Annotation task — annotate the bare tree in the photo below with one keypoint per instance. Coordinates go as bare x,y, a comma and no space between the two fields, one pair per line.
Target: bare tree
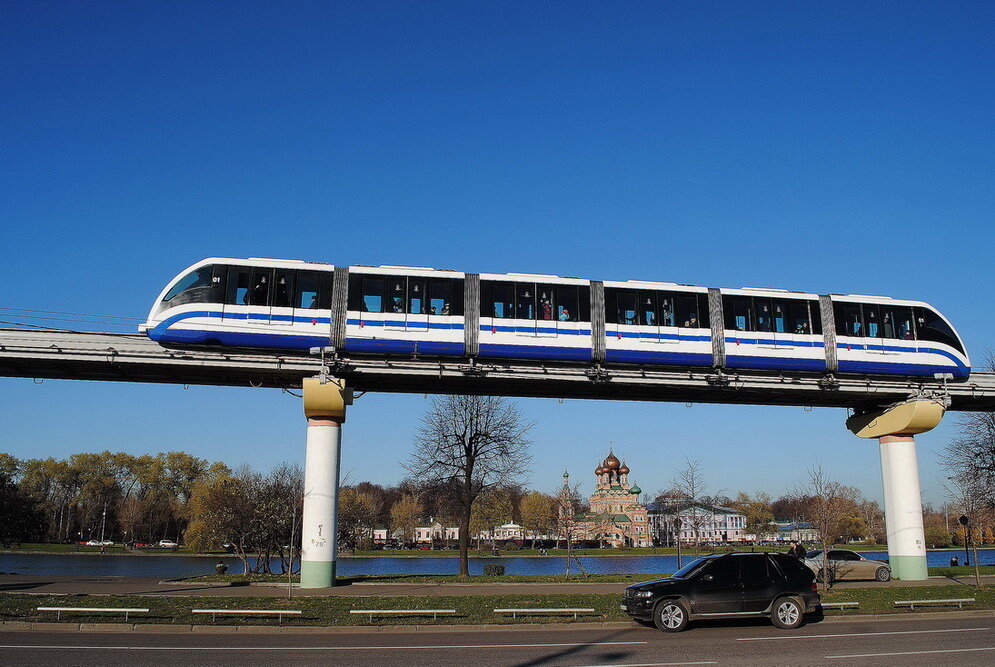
830,508
689,487
471,444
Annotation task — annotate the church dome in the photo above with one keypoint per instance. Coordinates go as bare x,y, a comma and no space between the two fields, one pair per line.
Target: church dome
612,462
635,490
599,470
624,469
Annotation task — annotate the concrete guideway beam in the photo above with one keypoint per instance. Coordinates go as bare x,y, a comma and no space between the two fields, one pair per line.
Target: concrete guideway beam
325,401
895,429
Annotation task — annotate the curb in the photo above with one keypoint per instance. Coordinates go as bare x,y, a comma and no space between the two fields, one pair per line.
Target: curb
366,629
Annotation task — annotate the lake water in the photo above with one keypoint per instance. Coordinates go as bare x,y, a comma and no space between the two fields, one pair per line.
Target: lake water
189,566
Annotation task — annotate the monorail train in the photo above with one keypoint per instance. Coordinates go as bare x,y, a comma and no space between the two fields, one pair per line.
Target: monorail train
394,310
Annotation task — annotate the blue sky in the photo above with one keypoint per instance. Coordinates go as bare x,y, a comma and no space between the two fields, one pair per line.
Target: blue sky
831,147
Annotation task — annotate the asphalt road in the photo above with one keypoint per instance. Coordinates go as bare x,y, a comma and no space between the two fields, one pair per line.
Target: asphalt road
958,639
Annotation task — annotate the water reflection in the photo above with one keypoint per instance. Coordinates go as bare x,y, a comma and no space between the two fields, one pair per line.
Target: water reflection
189,566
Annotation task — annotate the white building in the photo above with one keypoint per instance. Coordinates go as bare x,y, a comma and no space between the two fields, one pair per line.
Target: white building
693,522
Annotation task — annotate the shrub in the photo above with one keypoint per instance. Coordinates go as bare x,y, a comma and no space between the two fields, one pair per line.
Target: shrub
494,570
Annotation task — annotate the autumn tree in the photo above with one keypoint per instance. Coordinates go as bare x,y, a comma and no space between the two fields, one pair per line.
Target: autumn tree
759,517
470,444
492,508
404,516
538,514
831,509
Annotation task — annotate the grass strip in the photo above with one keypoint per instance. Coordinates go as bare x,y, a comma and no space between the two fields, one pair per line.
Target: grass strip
334,611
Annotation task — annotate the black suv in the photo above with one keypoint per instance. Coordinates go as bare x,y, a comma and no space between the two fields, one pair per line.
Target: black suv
727,586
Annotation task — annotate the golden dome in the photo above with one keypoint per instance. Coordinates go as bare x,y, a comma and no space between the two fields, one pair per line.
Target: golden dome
612,463
624,469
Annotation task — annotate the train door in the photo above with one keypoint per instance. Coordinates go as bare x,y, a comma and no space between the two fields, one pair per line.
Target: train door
686,317
306,303
525,309
237,296
282,304
419,308
649,323
667,318
546,312
781,323
395,304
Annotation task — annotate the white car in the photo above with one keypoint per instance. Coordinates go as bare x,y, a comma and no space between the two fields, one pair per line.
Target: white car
167,544
107,543
93,543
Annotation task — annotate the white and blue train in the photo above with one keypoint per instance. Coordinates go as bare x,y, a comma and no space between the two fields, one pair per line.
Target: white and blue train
393,310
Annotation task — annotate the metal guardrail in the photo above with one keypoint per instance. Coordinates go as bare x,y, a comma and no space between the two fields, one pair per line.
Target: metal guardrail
960,602
135,358
841,605
540,612
103,610
279,613
402,612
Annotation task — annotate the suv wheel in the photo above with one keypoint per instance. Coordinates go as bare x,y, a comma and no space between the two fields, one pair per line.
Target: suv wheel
882,574
787,614
670,616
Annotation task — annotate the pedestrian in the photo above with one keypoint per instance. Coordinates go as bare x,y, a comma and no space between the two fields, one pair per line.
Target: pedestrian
800,550
221,567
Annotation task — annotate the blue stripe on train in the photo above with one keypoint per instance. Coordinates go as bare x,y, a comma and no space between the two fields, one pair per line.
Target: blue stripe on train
401,324
775,363
536,352
528,330
640,357
392,346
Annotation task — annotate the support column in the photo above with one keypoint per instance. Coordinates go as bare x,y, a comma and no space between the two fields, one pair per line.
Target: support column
894,428
324,406
903,508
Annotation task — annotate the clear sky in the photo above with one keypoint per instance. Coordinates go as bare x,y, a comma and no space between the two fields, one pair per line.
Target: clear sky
828,147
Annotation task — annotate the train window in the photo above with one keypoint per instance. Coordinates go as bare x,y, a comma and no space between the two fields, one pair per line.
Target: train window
647,308
930,326
545,311
762,313
668,318
283,288
738,313
896,322
497,299
584,303
198,278
689,312
417,296
567,303
307,290
848,319
238,286
440,298
796,316
872,320
525,296
262,279
372,294
625,305
396,294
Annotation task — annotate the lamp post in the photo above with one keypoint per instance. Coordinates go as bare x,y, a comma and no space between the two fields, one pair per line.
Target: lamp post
963,520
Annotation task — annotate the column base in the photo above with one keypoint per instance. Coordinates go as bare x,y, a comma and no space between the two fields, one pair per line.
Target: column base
317,574
908,568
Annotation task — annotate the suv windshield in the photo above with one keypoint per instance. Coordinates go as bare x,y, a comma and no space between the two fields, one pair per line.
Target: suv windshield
814,554
690,568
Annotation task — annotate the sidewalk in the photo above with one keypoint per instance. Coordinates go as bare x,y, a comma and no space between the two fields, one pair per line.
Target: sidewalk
84,585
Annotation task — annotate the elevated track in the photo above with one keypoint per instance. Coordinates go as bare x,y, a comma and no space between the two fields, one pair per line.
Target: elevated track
134,358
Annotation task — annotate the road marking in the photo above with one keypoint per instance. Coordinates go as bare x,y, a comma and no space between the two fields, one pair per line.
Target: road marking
880,655
859,634
319,648
655,664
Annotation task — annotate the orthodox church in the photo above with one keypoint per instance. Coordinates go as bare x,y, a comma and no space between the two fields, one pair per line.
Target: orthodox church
616,518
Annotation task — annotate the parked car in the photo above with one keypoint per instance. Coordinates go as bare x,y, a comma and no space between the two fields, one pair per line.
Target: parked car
107,543
93,543
846,564
732,585
167,544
